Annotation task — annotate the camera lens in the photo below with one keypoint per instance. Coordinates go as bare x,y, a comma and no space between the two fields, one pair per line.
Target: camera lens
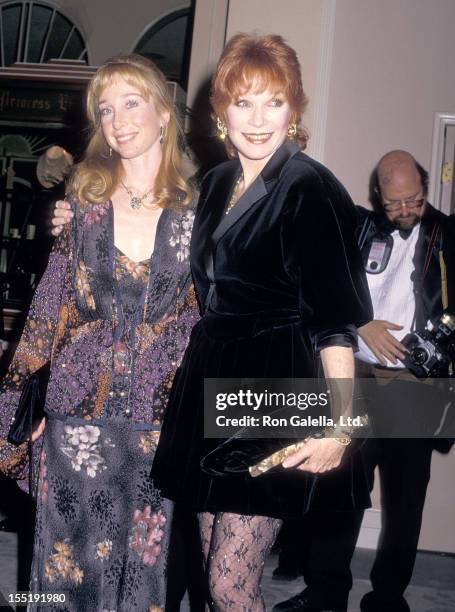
418,356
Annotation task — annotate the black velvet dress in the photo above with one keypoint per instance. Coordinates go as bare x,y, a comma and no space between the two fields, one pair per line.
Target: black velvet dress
277,279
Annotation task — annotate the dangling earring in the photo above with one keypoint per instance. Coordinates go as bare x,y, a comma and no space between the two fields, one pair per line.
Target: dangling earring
292,130
110,151
162,133
222,129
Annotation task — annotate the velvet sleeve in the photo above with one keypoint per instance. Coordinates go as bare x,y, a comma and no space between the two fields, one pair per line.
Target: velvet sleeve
334,292
34,349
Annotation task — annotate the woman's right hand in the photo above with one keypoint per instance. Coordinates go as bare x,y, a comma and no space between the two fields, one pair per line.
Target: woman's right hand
62,215
317,456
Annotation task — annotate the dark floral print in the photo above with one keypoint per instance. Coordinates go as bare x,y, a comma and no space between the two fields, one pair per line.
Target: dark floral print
114,331
126,266
102,539
61,564
65,498
147,534
94,212
71,322
148,441
82,445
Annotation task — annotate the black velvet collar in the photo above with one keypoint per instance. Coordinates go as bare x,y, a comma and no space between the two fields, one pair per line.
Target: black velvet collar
273,168
259,188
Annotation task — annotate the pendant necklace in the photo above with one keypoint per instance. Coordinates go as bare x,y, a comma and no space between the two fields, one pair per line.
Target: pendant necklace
136,202
233,199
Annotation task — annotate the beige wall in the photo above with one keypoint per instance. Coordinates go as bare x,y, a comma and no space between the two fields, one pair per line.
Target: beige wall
209,32
114,26
392,69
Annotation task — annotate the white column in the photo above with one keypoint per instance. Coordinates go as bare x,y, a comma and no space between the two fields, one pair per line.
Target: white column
209,34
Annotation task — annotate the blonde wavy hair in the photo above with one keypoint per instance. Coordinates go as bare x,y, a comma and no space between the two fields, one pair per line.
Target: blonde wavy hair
98,175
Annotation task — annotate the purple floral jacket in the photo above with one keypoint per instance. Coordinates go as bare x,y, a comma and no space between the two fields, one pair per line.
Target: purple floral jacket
75,323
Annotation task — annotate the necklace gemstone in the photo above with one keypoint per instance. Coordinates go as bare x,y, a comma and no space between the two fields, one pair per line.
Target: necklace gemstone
135,201
233,198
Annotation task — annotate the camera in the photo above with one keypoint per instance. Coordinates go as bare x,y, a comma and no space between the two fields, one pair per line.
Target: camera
430,353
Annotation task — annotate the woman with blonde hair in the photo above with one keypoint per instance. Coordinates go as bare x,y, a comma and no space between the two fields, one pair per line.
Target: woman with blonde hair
111,315
279,279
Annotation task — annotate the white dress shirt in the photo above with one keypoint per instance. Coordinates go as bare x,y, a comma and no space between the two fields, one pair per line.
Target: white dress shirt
392,293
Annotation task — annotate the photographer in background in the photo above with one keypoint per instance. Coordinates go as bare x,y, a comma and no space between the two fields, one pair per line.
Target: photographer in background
408,249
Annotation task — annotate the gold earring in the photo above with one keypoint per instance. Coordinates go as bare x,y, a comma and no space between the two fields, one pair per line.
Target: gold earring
222,129
162,133
292,130
110,151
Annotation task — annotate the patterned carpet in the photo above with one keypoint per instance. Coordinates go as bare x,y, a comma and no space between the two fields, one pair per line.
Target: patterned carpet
432,588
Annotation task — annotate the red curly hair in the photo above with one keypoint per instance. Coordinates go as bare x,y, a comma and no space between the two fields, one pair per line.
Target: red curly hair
257,63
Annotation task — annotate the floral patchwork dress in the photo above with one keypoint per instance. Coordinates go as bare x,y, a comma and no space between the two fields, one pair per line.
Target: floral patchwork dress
114,330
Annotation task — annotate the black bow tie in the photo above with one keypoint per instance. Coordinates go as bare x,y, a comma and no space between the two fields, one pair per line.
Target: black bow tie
405,233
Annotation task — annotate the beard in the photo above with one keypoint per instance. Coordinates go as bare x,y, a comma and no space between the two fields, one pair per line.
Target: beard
406,223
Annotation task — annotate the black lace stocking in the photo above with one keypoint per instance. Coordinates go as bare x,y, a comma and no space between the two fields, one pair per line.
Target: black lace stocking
235,547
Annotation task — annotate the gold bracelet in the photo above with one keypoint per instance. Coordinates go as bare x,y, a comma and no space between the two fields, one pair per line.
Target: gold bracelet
343,441
339,435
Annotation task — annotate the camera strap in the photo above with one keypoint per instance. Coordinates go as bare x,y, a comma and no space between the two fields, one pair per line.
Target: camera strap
443,269
426,265
444,287
442,266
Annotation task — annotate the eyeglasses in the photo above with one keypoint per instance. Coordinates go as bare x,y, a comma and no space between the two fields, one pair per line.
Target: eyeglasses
411,204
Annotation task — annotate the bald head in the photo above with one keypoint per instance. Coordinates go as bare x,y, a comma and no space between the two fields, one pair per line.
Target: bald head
400,182
396,167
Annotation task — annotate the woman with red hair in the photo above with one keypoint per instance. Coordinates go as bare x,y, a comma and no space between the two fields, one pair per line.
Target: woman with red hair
279,280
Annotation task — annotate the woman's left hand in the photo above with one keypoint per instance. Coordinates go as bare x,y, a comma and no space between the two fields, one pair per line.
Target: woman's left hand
318,455
39,430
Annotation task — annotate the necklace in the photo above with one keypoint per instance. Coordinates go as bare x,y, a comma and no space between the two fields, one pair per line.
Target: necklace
136,202
233,199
